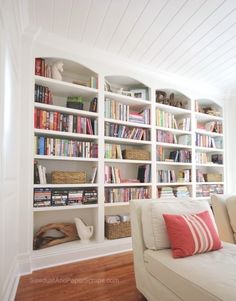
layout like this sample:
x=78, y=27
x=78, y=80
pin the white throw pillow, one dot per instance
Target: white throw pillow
x=154, y=228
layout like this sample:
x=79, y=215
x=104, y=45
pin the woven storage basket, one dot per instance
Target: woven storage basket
x=114, y=231
x=136, y=154
x=68, y=177
x=214, y=177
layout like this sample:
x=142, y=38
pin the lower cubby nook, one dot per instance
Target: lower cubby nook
x=89, y=216
x=76, y=250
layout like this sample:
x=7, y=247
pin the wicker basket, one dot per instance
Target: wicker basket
x=68, y=177
x=213, y=177
x=136, y=154
x=114, y=231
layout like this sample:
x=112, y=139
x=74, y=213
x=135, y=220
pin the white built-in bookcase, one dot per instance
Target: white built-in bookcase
x=94, y=214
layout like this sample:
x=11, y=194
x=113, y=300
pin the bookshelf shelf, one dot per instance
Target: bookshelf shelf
x=210, y=165
x=208, y=133
x=127, y=184
x=65, y=185
x=209, y=183
x=172, y=109
x=125, y=161
x=174, y=131
x=63, y=88
x=116, y=204
x=172, y=145
x=65, y=134
x=65, y=110
x=128, y=123
x=64, y=158
x=173, y=163
x=126, y=141
x=206, y=117
x=209, y=149
x=58, y=208
x=127, y=99
x=175, y=184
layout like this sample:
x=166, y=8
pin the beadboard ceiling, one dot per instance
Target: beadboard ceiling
x=192, y=38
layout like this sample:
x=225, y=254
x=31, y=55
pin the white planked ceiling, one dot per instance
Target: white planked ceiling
x=192, y=38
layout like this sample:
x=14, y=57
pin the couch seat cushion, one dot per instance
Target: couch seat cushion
x=205, y=277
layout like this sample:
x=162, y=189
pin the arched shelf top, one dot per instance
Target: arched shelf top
x=73, y=72
x=172, y=97
x=127, y=86
x=208, y=106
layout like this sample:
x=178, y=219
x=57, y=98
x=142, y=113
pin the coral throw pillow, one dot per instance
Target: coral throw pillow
x=191, y=234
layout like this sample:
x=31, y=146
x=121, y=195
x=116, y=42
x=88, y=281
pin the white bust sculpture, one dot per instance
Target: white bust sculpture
x=57, y=69
x=84, y=231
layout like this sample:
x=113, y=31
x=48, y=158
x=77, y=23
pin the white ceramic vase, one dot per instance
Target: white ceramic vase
x=84, y=231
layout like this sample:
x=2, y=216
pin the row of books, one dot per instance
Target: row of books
x=116, y=110
x=39, y=173
x=112, y=175
x=169, y=176
x=208, y=141
x=63, y=122
x=123, y=131
x=168, y=137
x=47, y=197
x=142, y=117
x=207, y=190
x=113, y=151
x=183, y=156
x=168, y=120
x=165, y=119
x=116, y=195
x=211, y=126
x=64, y=147
x=171, y=192
x=204, y=158
x=43, y=94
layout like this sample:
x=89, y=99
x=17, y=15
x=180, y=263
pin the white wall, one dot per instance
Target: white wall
x=10, y=104
x=230, y=142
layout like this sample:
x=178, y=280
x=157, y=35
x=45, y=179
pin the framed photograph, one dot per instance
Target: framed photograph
x=139, y=93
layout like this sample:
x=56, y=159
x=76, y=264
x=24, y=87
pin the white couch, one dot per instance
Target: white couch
x=159, y=277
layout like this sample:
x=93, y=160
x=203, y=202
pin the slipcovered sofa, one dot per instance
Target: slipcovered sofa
x=224, y=207
x=160, y=277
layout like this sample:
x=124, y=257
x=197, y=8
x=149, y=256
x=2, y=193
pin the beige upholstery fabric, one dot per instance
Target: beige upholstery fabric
x=231, y=208
x=154, y=228
x=205, y=277
x=222, y=216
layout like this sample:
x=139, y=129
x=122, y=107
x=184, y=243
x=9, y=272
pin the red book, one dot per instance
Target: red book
x=38, y=66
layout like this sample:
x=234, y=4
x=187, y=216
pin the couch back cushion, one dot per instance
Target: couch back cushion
x=154, y=229
x=231, y=208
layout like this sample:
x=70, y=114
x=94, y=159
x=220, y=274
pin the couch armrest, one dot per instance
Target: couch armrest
x=222, y=217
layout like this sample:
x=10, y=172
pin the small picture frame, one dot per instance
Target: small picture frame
x=139, y=93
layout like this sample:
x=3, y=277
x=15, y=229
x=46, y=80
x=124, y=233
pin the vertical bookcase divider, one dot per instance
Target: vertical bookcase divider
x=153, y=139
x=101, y=147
